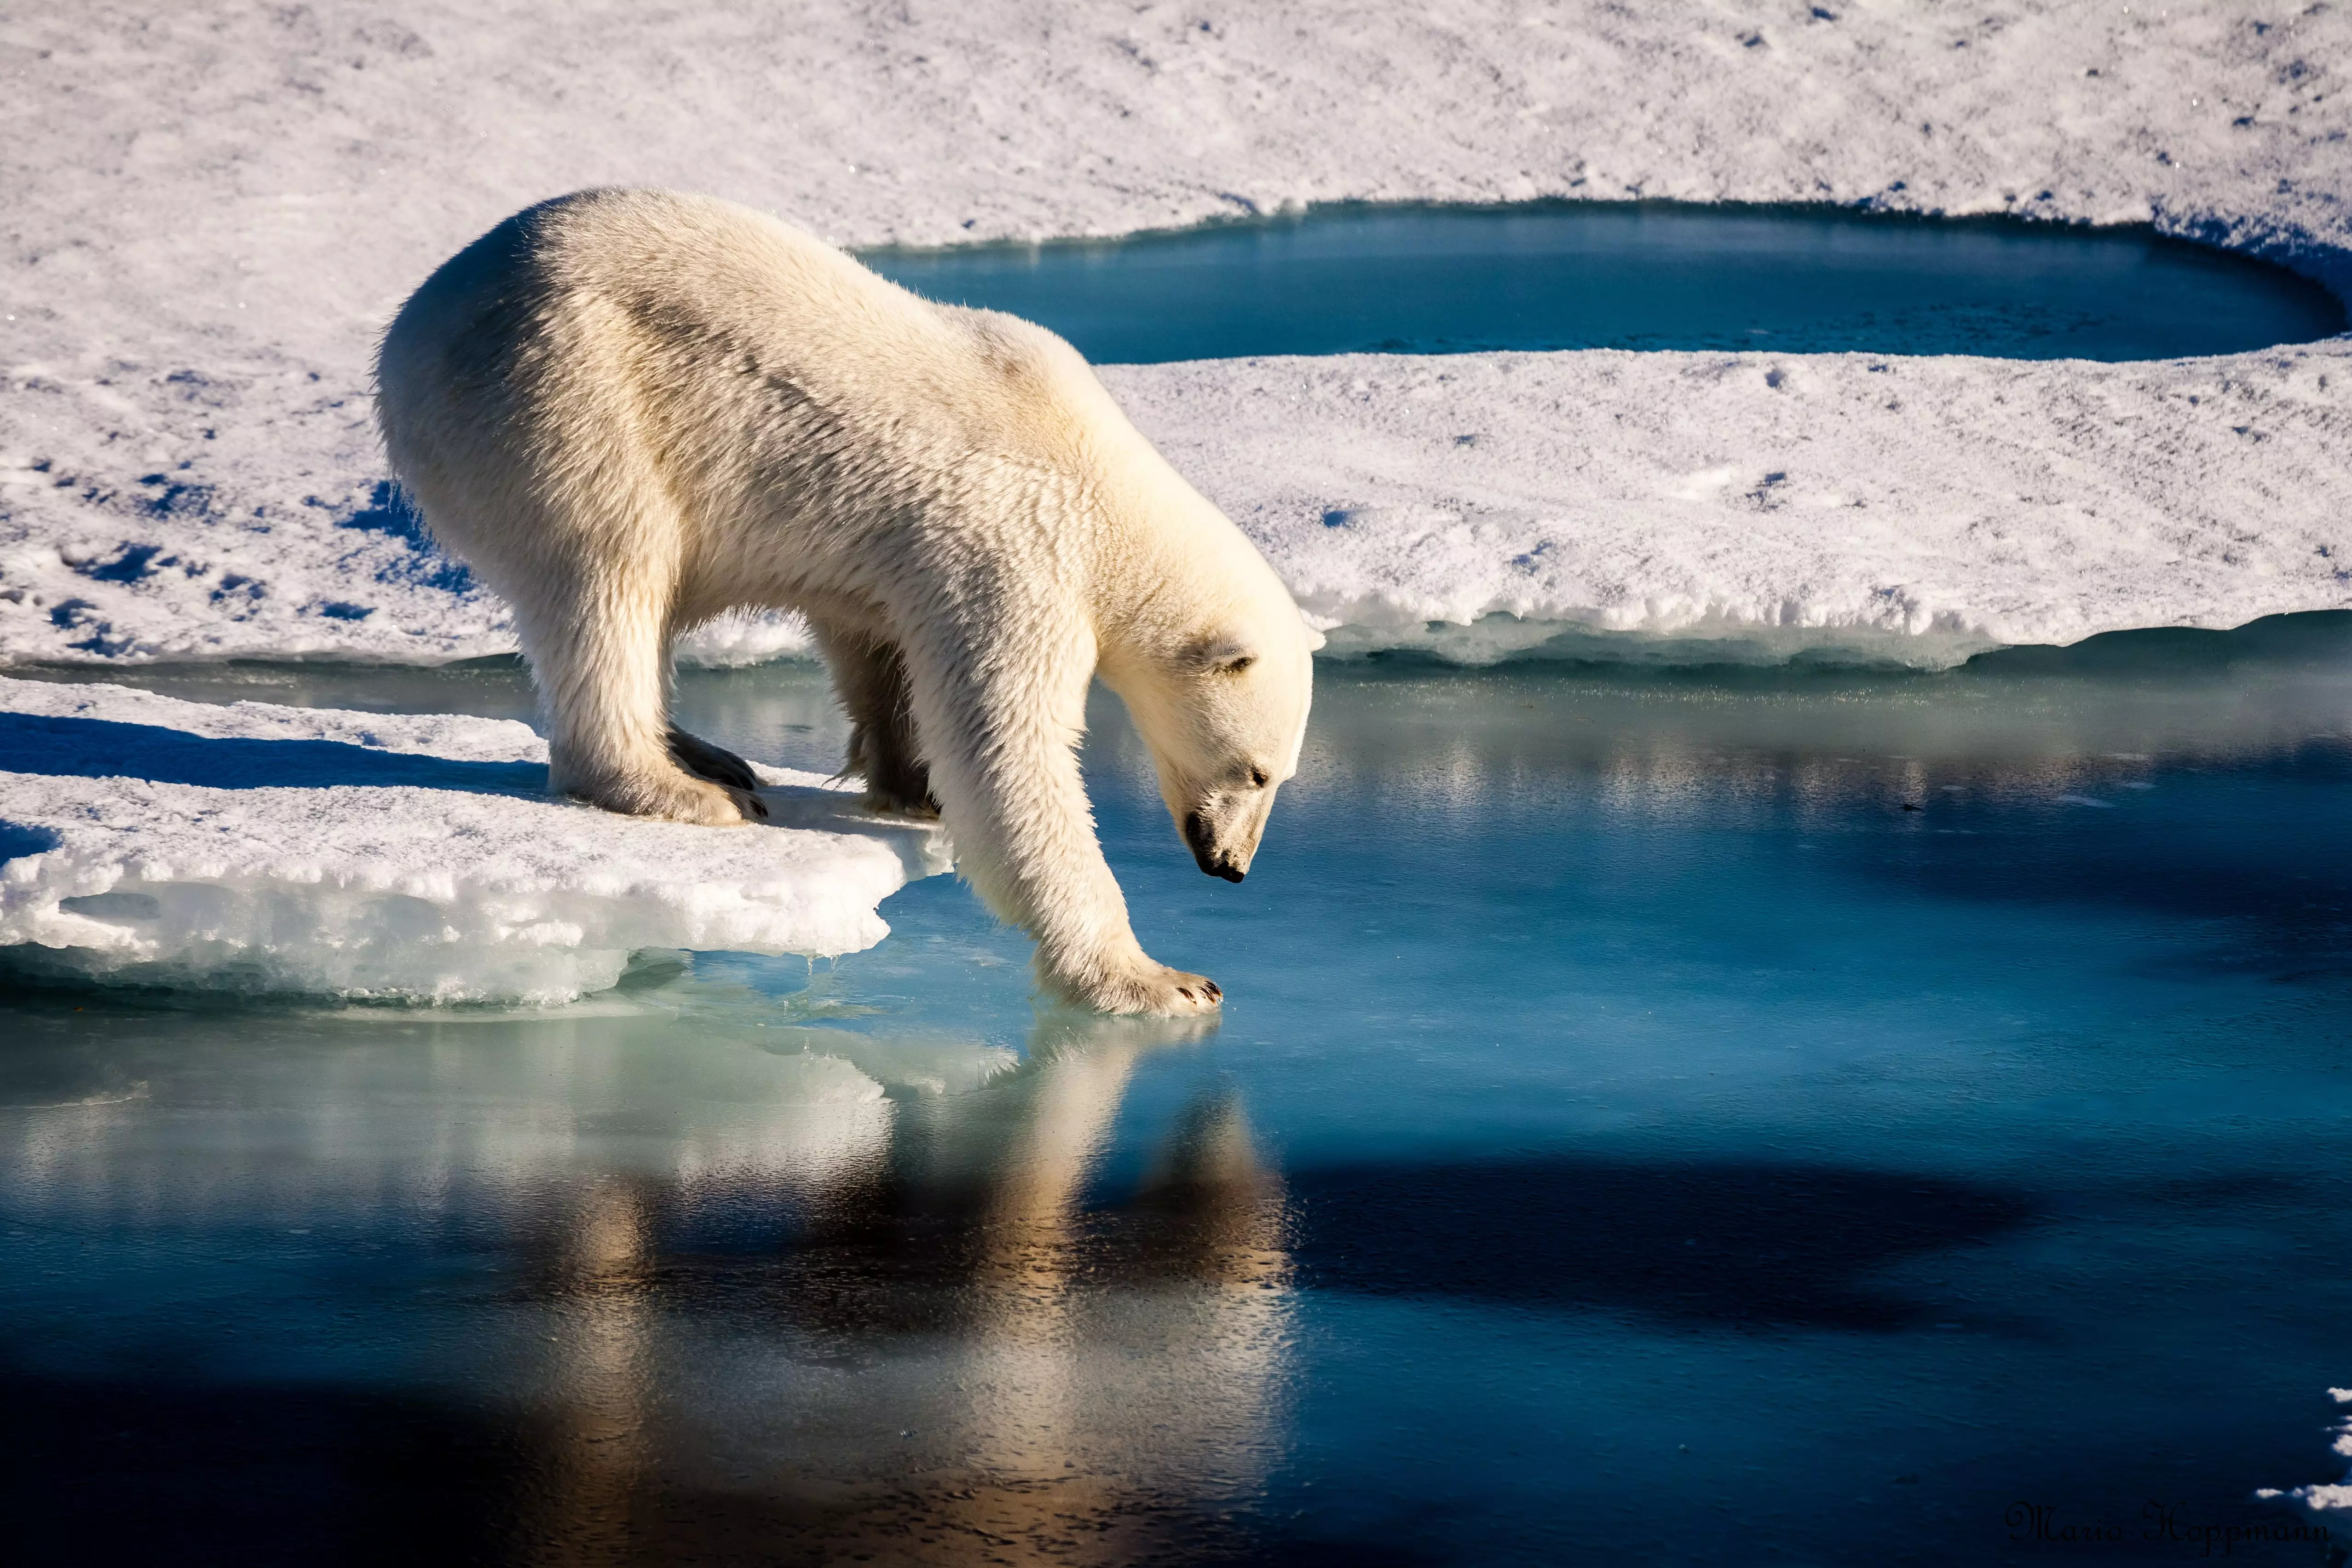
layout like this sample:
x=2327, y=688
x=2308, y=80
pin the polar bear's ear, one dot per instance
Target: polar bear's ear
x=1315, y=640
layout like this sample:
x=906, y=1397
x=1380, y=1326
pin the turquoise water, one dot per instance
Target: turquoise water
x=1634, y=1135
x=1632, y=275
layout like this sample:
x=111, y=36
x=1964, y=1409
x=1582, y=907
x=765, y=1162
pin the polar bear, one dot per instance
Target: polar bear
x=629, y=411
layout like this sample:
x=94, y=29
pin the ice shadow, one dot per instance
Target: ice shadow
x=2302, y=640
x=104, y=748
x=1727, y=1243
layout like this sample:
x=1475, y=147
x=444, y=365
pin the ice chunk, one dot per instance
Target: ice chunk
x=409, y=858
x=2323, y=1496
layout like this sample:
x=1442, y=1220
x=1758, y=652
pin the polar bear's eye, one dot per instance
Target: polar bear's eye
x=1220, y=655
x=1257, y=777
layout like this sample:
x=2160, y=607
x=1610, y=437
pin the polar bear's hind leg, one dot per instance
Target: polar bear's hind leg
x=597, y=636
x=870, y=678
x=609, y=732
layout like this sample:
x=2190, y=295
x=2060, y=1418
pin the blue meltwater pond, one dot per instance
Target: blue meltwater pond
x=1733, y=1117
x=1632, y=275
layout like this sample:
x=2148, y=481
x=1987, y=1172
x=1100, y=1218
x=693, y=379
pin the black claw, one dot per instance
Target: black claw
x=1185, y=991
x=1215, y=994
x=700, y=758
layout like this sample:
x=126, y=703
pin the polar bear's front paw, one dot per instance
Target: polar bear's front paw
x=1158, y=989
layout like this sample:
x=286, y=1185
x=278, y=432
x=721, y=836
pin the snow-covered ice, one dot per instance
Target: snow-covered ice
x=212, y=210
x=1918, y=509
x=408, y=857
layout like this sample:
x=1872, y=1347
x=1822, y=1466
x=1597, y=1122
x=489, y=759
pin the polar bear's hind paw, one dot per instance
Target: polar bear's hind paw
x=679, y=797
x=720, y=766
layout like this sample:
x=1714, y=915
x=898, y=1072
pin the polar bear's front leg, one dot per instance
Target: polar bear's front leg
x=1002, y=739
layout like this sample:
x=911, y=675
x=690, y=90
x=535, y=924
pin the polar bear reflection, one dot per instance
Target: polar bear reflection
x=993, y=1359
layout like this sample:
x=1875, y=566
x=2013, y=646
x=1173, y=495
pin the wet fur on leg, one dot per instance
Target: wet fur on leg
x=895, y=780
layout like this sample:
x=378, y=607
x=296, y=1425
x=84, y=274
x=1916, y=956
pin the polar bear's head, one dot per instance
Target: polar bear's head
x=1222, y=701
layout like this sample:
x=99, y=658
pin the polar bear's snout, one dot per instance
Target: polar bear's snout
x=1223, y=830
x=1202, y=841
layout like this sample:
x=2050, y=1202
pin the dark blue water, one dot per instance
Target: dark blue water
x=1658, y=1119
x=1646, y=275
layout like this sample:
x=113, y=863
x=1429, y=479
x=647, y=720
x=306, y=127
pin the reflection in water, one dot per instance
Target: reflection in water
x=1120, y=1365
x=602, y=1380
x=1669, y=750
x=721, y=1299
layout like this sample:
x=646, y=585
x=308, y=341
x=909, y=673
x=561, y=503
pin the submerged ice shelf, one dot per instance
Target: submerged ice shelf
x=257, y=847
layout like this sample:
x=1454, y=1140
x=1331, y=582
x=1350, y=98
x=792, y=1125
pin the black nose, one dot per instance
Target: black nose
x=1204, y=850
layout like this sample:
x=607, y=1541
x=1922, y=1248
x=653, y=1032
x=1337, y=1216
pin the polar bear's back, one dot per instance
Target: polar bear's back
x=682, y=287
x=612, y=358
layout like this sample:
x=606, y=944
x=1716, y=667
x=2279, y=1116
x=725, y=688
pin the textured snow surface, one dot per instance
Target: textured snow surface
x=397, y=857
x=1914, y=509
x=213, y=209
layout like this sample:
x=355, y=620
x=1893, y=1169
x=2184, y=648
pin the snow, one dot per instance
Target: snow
x=1915, y=510
x=401, y=857
x=214, y=209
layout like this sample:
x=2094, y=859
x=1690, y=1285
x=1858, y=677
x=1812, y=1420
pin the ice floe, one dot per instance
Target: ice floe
x=213, y=212
x=405, y=857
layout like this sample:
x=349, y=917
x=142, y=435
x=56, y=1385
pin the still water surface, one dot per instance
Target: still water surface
x=1635, y=1136
x=1632, y=275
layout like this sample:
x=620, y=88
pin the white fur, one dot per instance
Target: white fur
x=631, y=411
